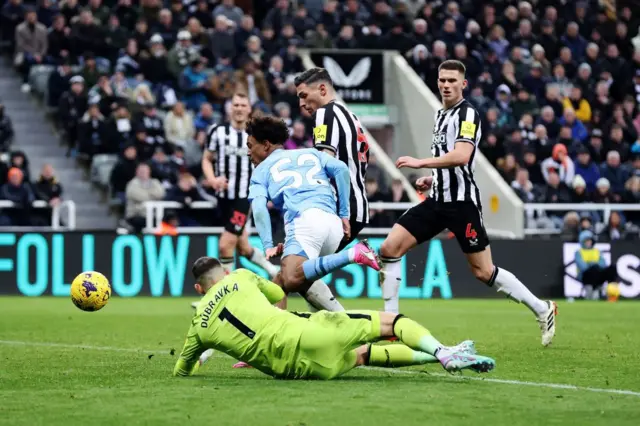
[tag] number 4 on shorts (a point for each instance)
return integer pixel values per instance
(470, 232)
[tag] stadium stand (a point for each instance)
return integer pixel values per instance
(558, 85)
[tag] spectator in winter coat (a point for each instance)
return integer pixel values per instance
(194, 83)
(586, 168)
(73, 105)
(579, 104)
(46, 188)
(578, 130)
(178, 126)
(92, 134)
(123, 172)
(205, 118)
(182, 54)
(18, 191)
(615, 173)
(20, 161)
(141, 189)
(31, 45)
(152, 125)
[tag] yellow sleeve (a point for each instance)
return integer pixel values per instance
(584, 112)
(272, 291)
(187, 363)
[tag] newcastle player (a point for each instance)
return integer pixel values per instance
(454, 203)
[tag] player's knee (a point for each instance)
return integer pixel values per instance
(390, 249)
(482, 273)
(245, 250)
(227, 244)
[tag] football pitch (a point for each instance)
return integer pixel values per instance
(59, 365)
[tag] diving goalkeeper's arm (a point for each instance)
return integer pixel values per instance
(187, 363)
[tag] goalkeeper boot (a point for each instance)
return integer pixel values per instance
(453, 361)
(366, 256)
(547, 323)
(467, 347)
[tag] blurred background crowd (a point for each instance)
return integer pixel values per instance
(133, 86)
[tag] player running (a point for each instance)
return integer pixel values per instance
(236, 316)
(297, 182)
(230, 179)
(454, 203)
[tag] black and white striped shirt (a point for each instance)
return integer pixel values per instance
(338, 129)
(458, 124)
(232, 159)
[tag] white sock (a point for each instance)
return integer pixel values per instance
(311, 308)
(321, 297)
(205, 356)
(391, 273)
(227, 263)
(258, 258)
(505, 282)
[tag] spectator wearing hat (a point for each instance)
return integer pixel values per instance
(141, 189)
(584, 79)
(155, 65)
(586, 168)
(580, 194)
(559, 163)
(73, 105)
(18, 191)
(31, 45)
(182, 54)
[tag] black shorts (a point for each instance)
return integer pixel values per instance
(464, 219)
(235, 214)
(356, 228)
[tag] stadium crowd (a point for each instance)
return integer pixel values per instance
(558, 84)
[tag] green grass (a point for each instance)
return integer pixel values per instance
(597, 346)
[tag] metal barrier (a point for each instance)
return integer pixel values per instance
(155, 212)
(67, 205)
(606, 209)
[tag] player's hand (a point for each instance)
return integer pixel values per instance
(274, 251)
(219, 183)
(346, 227)
(413, 163)
(424, 183)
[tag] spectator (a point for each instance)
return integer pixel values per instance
(119, 128)
(524, 104)
(89, 71)
(615, 174)
(6, 130)
(129, 61)
(153, 128)
(492, 148)
(195, 84)
(560, 164)
(99, 11)
(298, 138)
(555, 192)
(73, 105)
(578, 130)
(86, 35)
(31, 46)
(523, 186)
(140, 189)
(251, 81)
(532, 166)
(182, 54)
(165, 27)
(579, 104)
(178, 126)
(632, 196)
(222, 42)
(46, 188)
(123, 172)
(20, 161)
(205, 117)
(163, 169)
(185, 192)
(13, 12)
(615, 229)
(579, 194)
(570, 227)
(377, 217)
(91, 133)
(58, 40)
(508, 167)
(229, 10)
(115, 38)
(18, 191)
(586, 168)
(603, 192)
(155, 64)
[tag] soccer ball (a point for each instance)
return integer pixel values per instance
(90, 291)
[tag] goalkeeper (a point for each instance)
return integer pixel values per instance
(236, 317)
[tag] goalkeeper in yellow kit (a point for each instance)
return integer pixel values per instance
(236, 316)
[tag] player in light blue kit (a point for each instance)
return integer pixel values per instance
(297, 183)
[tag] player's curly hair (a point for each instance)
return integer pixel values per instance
(268, 128)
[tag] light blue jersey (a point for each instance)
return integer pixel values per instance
(296, 181)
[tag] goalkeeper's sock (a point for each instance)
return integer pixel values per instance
(507, 283)
(392, 356)
(391, 283)
(227, 263)
(415, 336)
(258, 258)
(318, 268)
(320, 297)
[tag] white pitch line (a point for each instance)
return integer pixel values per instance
(163, 351)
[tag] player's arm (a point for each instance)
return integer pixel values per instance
(339, 171)
(466, 130)
(209, 156)
(258, 196)
(187, 363)
(323, 129)
(272, 291)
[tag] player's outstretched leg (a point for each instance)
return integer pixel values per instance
(361, 253)
(420, 339)
(397, 244)
(395, 355)
(505, 282)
